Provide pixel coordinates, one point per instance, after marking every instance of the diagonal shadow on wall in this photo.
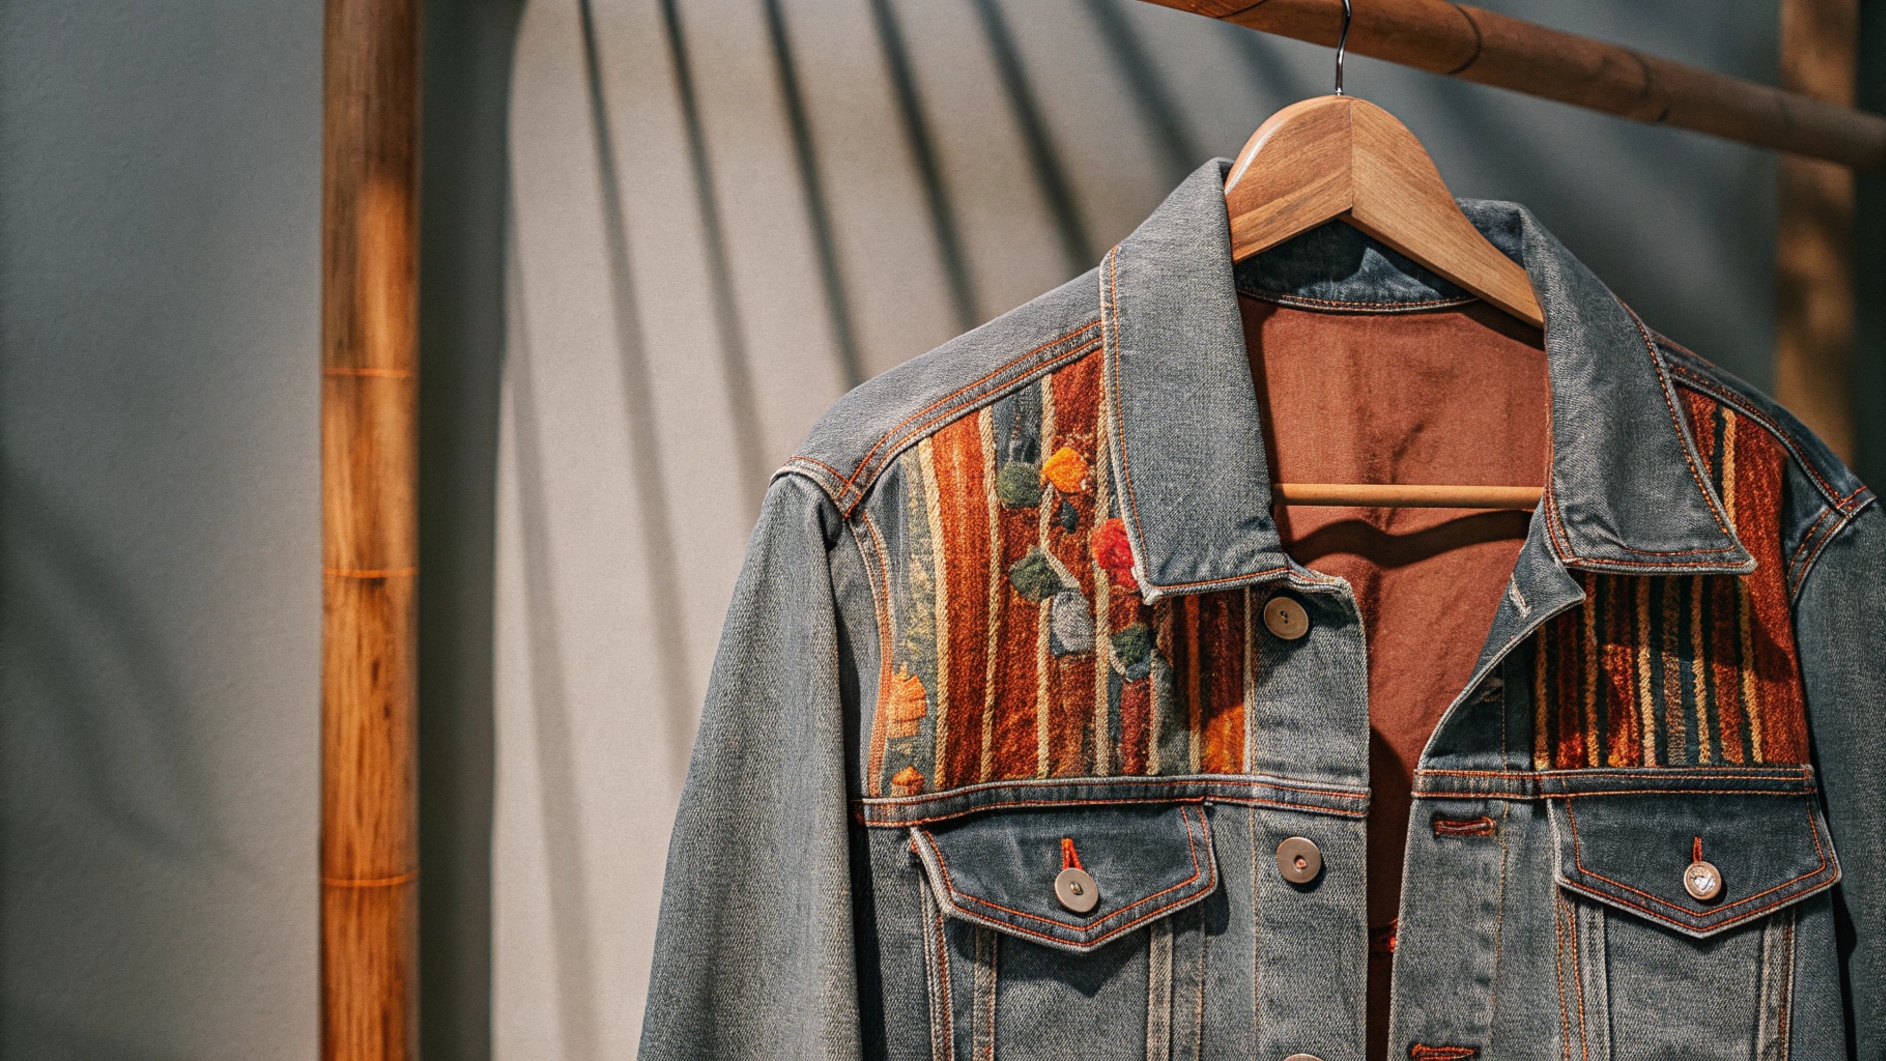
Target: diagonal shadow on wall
(468, 59)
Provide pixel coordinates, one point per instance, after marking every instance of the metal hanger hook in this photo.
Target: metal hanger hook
(1342, 43)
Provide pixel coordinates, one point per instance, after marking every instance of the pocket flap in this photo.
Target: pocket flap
(1634, 851)
(999, 869)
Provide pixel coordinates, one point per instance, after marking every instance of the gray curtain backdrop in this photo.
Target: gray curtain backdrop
(661, 236)
(160, 588)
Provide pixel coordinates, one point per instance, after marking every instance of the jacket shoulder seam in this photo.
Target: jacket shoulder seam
(848, 490)
(1843, 507)
(1691, 378)
(1798, 574)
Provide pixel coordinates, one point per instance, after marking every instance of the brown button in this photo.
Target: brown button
(1076, 890)
(1703, 881)
(1299, 860)
(1285, 617)
(1303, 1057)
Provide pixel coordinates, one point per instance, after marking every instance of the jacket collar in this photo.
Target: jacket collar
(1626, 493)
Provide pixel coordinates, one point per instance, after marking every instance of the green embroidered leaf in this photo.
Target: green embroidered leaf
(1018, 485)
(1133, 647)
(1034, 576)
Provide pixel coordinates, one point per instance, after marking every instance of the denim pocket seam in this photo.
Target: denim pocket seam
(1193, 894)
(1688, 918)
(1197, 871)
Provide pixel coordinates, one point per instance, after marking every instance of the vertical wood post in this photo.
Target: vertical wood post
(369, 388)
(1814, 235)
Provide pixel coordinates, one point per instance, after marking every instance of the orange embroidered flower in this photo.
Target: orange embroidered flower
(907, 782)
(909, 703)
(1114, 553)
(1067, 470)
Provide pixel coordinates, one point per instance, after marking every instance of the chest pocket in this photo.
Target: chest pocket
(1021, 968)
(1678, 912)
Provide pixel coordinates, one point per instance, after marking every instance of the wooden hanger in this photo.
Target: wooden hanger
(1340, 157)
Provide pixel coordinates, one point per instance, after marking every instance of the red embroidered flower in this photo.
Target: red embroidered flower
(1114, 553)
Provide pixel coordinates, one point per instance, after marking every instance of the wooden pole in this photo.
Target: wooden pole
(1814, 312)
(1480, 46)
(369, 303)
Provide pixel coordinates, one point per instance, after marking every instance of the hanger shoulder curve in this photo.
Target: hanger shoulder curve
(1340, 157)
(1293, 175)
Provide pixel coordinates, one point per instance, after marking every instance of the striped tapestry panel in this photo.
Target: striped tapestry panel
(1683, 670)
(1021, 647)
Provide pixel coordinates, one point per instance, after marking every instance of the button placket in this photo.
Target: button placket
(1308, 722)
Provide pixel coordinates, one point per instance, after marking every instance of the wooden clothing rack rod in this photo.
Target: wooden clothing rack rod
(369, 535)
(1491, 49)
(1367, 495)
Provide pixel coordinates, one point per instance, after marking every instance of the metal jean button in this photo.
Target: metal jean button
(1299, 860)
(1076, 890)
(1702, 880)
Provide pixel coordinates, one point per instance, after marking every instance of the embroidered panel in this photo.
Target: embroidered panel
(1683, 670)
(1023, 649)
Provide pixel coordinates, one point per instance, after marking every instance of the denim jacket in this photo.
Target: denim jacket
(948, 711)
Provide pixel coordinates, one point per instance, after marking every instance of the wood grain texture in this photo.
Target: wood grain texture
(369, 300)
(1341, 157)
(1814, 311)
(1491, 49)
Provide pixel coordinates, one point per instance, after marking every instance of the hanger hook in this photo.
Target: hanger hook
(1342, 43)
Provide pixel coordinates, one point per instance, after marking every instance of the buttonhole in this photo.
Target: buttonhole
(1382, 938)
(1481, 826)
(1424, 1052)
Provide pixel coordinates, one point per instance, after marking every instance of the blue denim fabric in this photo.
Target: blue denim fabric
(808, 913)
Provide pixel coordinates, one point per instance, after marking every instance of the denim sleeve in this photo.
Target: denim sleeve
(1841, 625)
(753, 954)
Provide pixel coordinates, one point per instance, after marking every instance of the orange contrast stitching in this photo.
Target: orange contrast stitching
(1558, 967)
(1206, 779)
(1191, 845)
(801, 458)
(1280, 299)
(1578, 860)
(1442, 793)
(1702, 384)
(880, 599)
(1045, 368)
(953, 395)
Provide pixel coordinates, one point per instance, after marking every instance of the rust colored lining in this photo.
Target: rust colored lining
(1451, 394)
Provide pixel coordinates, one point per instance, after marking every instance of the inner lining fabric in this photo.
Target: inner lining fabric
(1370, 370)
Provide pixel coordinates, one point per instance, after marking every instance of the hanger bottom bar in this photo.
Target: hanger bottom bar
(1365, 495)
